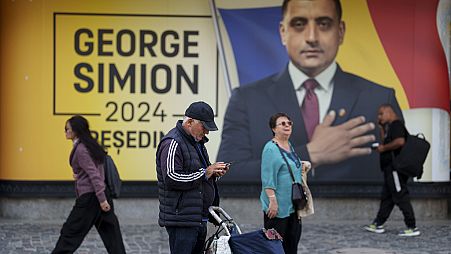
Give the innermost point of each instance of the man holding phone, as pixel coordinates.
(187, 179)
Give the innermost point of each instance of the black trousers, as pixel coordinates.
(85, 214)
(390, 197)
(290, 228)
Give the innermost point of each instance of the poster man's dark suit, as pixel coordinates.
(246, 125)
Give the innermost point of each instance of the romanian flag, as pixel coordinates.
(395, 43)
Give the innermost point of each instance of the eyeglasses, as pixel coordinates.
(287, 123)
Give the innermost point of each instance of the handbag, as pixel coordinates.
(298, 195)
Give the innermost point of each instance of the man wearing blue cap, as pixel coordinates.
(187, 179)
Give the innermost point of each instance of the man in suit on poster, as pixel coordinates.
(339, 146)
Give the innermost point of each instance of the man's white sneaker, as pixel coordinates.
(410, 232)
(378, 229)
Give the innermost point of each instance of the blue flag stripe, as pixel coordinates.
(255, 41)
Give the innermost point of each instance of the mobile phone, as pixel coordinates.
(374, 146)
(228, 164)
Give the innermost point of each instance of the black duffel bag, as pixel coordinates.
(411, 158)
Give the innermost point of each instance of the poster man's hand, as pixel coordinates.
(332, 144)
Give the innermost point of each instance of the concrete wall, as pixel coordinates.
(244, 211)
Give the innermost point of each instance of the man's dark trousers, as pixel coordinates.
(187, 240)
(390, 197)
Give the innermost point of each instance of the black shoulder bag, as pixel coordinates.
(412, 156)
(298, 195)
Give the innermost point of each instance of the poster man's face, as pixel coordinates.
(311, 33)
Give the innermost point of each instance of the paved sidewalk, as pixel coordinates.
(317, 237)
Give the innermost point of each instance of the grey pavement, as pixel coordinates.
(317, 237)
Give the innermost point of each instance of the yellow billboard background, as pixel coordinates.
(37, 93)
(37, 82)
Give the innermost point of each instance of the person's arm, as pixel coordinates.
(273, 208)
(171, 163)
(332, 144)
(393, 145)
(87, 164)
(397, 133)
(269, 171)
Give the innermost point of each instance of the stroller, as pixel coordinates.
(228, 238)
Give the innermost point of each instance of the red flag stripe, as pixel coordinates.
(408, 31)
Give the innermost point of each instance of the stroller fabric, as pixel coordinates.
(254, 242)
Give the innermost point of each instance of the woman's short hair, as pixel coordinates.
(273, 120)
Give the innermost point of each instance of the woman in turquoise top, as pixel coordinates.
(276, 183)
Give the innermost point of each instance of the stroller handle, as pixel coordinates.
(216, 212)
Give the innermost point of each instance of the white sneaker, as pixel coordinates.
(410, 232)
(375, 228)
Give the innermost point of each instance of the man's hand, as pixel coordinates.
(217, 169)
(332, 144)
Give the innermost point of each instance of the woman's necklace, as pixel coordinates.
(285, 145)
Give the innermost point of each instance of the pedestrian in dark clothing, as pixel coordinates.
(93, 206)
(395, 190)
(187, 180)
